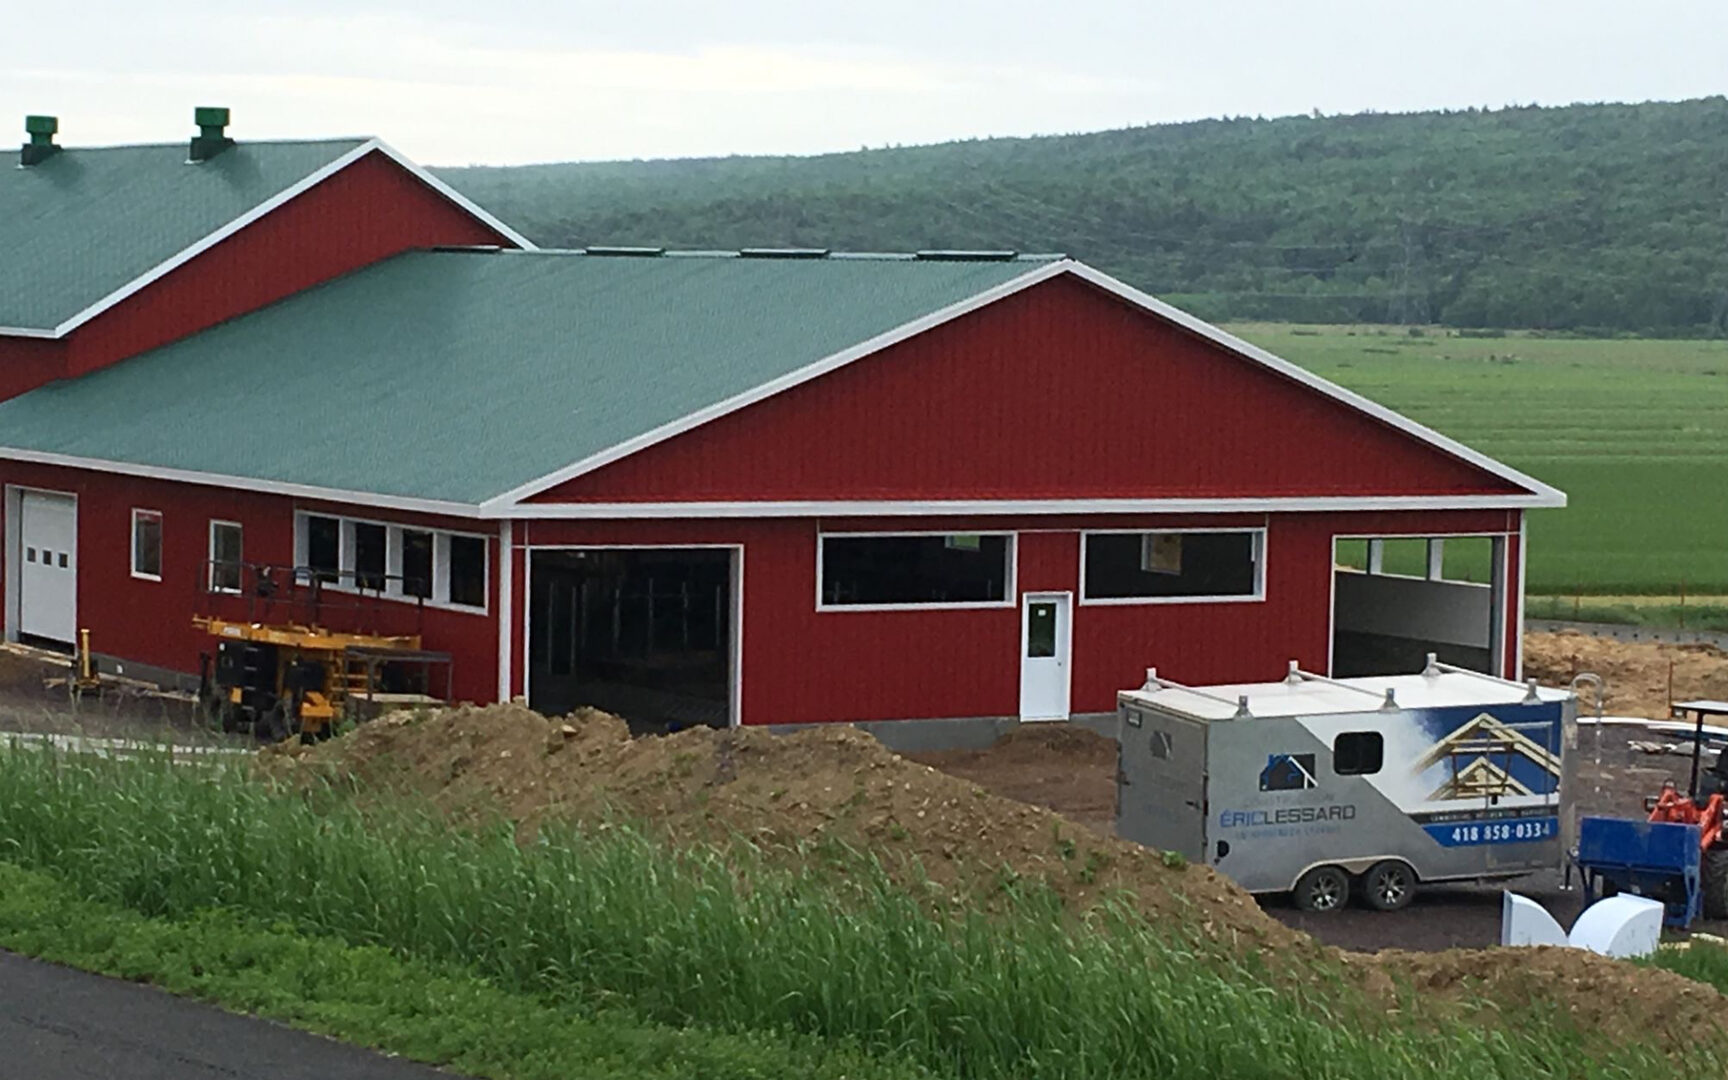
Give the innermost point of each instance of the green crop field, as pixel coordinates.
(1634, 431)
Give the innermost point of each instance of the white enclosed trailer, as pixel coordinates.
(1371, 785)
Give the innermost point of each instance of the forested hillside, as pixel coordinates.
(1588, 217)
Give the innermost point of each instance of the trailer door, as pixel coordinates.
(1161, 782)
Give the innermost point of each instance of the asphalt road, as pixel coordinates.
(60, 1024)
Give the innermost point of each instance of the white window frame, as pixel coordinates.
(393, 530)
(140, 513)
(1011, 585)
(1258, 596)
(210, 561)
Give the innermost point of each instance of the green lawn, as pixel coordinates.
(1634, 431)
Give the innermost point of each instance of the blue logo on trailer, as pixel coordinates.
(1288, 772)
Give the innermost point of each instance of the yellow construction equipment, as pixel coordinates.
(279, 681)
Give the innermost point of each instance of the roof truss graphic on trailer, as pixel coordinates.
(306, 183)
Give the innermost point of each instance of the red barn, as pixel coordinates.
(949, 490)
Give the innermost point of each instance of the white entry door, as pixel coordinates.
(1046, 640)
(47, 565)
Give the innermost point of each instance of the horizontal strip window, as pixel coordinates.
(914, 570)
(1173, 567)
(440, 568)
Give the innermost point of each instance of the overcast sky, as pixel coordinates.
(511, 81)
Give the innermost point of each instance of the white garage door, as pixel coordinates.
(48, 565)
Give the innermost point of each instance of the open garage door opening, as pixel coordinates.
(650, 634)
(1395, 600)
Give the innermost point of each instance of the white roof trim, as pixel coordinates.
(1540, 494)
(268, 206)
(25, 331)
(813, 508)
(245, 483)
(774, 386)
(985, 507)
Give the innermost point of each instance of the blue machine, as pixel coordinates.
(1647, 858)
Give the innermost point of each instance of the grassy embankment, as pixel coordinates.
(696, 962)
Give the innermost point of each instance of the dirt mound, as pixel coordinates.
(1600, 995)
(1637, 673)
(1058, 766)
(787, 792)
(781, 792)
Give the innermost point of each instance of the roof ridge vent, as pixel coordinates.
(616, 249)
(212, 137)
(783, 253)
(41, 146)
(964, 255)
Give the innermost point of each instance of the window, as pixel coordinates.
(417, 563)
(1358, 753)
(1040, 629)
(369, 562)
(225, 559)
(324, 547)
(1141, 566)
(147, 544)
(395, 561)
(468, 571)
(889, 570)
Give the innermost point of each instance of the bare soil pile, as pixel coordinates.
(786, 792)
(1612, 997)
(780, 792)
(1057, 766)
(1637, 673)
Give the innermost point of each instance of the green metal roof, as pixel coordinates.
(459, 376)
(85, 223)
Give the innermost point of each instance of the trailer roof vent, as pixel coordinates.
(1242, 712)
(1391, 702)
(212, 137)
(41, 146)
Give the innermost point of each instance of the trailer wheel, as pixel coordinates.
(1715, 883)
(1389, 885)
(1324, 888)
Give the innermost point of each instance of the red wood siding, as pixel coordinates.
(369, 211)
(151, 621)
(801, 665)
(1060, 391)
(26, 363)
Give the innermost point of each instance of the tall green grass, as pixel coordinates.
(1704, 961)
(437, 1013)
(699, 937)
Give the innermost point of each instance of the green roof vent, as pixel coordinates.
(40, 148)
(782, 253)
(961, 255)
(212, 137)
